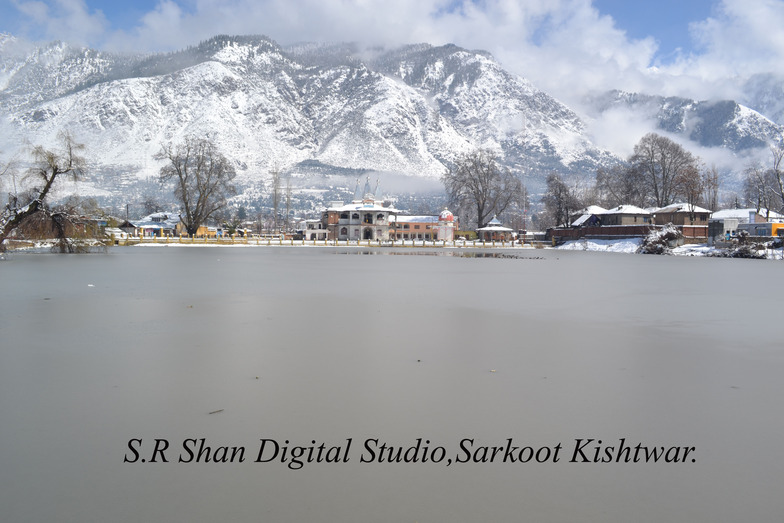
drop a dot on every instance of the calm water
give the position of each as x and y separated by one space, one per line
236 345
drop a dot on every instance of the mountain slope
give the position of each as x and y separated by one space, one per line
409 112
315 110
723 123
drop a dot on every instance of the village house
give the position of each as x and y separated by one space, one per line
767 229
626 215
691 220
313 230
414 227
428 228
589 216
158 224
623 221
724 224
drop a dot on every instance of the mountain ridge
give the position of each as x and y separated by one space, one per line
314 109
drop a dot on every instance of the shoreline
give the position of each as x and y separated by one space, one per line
625 246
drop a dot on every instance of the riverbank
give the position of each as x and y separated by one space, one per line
624 246
631 245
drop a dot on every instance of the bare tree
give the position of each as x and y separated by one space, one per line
777 150
663 165
477 181
621 184
690 185
711 183
757 188
288 199
202 179
47 167
559 200
275 172
150 204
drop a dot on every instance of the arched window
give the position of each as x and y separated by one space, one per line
343 231
355 216
344 216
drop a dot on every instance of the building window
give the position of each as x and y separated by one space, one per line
405 226
368 218
380 217
416 226
344 216
343 231
355 216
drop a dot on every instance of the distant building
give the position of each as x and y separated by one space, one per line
725 224
446 226
366 219
589 216
495 231
626 215
158 224
763 229
314 230
428 228
691 220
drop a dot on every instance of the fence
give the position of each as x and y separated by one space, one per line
279 241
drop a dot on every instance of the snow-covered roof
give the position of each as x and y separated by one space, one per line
158 220
366 205
582 219
682 207
626 209
743 214
591 209
415 219
495 228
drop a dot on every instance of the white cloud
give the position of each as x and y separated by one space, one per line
565 47
68 20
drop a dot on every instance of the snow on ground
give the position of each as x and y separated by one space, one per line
629 245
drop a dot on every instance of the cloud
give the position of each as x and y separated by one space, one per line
565 47
68 20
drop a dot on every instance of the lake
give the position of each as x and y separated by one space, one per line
339 385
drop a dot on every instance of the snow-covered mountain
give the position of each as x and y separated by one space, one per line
723 124
319 109
308 108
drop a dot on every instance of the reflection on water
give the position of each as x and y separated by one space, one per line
225 348
441 252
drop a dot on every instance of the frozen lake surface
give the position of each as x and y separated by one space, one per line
345 349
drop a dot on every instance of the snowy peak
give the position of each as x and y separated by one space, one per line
409 111
720 123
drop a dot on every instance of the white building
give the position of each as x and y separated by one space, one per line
314 230
366 219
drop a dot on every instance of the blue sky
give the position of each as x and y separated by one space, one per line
665 20
696 48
